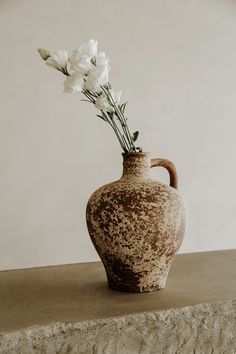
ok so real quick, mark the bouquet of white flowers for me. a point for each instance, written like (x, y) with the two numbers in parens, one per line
(87, 72)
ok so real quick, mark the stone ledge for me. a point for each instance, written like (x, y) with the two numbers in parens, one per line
(199, 329)
(70, 309)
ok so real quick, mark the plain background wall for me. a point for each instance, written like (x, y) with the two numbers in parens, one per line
(175, 62)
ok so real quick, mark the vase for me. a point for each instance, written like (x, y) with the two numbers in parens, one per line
(137, 225)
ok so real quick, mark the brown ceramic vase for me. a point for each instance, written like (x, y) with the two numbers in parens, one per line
(137, 225)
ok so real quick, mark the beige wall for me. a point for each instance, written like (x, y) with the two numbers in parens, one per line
(176, 64)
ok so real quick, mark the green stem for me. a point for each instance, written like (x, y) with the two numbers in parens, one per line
(124, 140)
(86, 93)
(109, 120)
(122, 120)
(120, 137)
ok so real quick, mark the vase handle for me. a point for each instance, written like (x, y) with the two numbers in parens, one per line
(170, 168)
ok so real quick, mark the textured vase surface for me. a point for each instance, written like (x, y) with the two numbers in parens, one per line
(137, 225)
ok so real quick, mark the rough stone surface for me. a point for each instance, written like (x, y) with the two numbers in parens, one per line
(137, 225)
(200, 329)
(70, 309)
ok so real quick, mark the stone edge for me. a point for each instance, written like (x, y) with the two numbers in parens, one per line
(11, 341)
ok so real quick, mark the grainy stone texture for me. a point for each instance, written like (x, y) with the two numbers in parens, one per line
(137, 225)
(70, 309)
(200, 329)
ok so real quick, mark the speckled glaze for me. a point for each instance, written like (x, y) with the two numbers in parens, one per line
(137, 225)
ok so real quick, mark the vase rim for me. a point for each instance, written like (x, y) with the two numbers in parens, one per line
(143, 153)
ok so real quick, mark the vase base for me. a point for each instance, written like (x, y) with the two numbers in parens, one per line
(135, 288)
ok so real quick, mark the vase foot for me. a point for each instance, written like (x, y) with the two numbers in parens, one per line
(136, 287)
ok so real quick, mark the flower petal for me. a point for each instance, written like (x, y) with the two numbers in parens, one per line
(74, 83)
(58, 60)
(80, 63)
(103, 104)
(97, 77)
(88, 48)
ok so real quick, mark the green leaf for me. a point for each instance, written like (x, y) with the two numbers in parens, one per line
(135, 136)
(110, 114)
(122, 107)
(98, 115)
(85, 100)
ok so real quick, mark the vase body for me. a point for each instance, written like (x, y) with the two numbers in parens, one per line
(137, 225)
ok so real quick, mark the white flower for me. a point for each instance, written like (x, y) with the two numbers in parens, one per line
(80, 63)
(58, 60)
(74, 83)
(81, 59)
(95, 67)
(103, 103)
(102, 60)
(97, 77)
(88, 48)
(44, 53)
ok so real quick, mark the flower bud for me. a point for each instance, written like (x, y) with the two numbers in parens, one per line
(44, 53)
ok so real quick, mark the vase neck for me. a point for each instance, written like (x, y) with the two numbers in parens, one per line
(136, 165)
